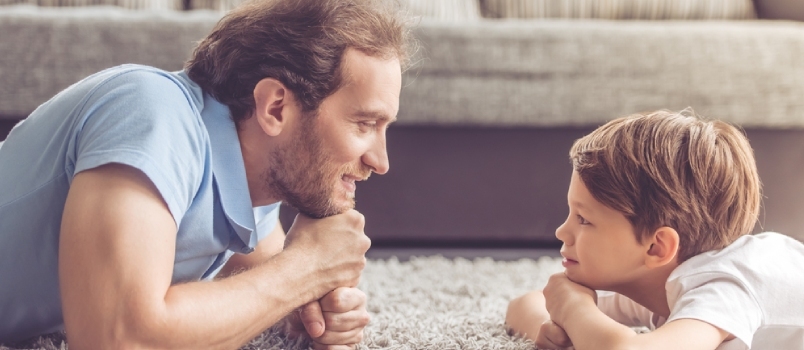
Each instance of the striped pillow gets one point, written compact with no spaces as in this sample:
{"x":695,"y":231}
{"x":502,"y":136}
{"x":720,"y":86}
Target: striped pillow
{"x":129,"y":4}
{"x":450,"y":10}
{"x":620,"y":9}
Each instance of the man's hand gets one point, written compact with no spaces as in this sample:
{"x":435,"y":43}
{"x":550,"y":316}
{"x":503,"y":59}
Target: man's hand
{"x":565,"y":298}
{"x":334,"y":322}
{"x":334,"y":246}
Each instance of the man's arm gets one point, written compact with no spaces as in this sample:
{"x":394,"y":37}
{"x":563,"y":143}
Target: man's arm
{"x":116,"y":256}
{"x":573,"y":307}
{"x":335,"y":321}
{"x":264,"y":251}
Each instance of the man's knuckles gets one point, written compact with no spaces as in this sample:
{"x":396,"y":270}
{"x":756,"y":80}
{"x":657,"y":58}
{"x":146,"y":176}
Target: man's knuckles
{"x":343,"y":299}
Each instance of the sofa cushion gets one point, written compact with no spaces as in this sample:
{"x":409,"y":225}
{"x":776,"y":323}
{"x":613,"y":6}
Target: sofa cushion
{"x":46,"y":49}
{"x":620,"y":9}
{"x":569,"y":72}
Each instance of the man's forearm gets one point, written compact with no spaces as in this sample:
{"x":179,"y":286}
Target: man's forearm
{"x":227,"y":313}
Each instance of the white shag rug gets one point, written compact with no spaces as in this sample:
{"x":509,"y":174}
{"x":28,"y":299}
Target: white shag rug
{"x":425,"y":303}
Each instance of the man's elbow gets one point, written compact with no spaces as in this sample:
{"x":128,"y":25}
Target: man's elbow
{"x":128,"y":330}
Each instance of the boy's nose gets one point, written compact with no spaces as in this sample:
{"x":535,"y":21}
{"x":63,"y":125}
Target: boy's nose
{"x":562,"y":234}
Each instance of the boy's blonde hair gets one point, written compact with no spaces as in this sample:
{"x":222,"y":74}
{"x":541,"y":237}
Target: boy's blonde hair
{"x":673,"y":169}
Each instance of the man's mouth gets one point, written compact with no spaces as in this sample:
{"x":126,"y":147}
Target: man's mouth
{"x":349,"y":181}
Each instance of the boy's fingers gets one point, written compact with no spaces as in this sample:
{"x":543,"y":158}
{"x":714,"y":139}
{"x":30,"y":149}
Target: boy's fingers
{"x":313,"y":319}
{"x":555,"y":334}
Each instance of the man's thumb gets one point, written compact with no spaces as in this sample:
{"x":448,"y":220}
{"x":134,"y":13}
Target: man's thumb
{"x":313,"y":319}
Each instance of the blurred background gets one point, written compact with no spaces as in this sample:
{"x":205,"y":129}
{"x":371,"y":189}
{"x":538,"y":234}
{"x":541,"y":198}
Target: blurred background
{"x":497,"y":93}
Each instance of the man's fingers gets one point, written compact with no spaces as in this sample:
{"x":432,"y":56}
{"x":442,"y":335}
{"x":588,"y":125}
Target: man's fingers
{"x":313,"y":319}
{"x":353,"y":336}
{"x":318,"y":346}
{"x":342,"y":322}
{"x":343,"y":300}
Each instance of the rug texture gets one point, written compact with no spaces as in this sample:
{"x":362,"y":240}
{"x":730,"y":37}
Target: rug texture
{"x":425,"y":303}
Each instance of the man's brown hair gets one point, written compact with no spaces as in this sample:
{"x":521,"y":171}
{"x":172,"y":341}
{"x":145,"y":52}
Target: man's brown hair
{"x":673,"y":169}
{"x":298,"y":42}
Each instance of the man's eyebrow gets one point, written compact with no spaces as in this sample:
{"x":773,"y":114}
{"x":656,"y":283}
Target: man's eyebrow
{"x":375,"y":115}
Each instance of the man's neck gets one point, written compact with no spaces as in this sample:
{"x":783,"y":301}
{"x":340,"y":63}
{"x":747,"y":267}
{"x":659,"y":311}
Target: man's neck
{"x":253,"y":146}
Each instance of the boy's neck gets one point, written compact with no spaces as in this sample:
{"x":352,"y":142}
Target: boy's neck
{"x":649,"y":289}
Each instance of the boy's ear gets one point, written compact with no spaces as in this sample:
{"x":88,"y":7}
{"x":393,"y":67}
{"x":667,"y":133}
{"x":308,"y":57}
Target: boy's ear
{"x":663,"y":247}
{"x":273,"y":102}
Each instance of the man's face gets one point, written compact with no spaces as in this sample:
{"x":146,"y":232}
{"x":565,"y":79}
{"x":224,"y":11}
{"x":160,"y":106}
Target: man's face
{"x":342,"y":142}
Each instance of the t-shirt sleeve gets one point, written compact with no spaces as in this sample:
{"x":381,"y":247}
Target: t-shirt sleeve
{"x":623,"y":310}
{"x":145,"y":120}
{"x":720,"y":300}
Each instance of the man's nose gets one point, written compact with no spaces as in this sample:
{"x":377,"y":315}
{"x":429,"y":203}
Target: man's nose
{"x":377,"y":157}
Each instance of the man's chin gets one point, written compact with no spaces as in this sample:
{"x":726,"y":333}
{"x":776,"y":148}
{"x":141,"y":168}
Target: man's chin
{"x":320,"y":213}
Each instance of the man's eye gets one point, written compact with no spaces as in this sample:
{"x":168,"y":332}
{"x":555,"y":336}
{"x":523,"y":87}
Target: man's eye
{"x":581,"y":220}
{"x":367,"y":126}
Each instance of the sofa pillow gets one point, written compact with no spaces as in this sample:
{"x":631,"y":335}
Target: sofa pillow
{"x":129,"y":4}
{"x":620,"y":9}
{"x":780,"y":9}
{"x":449,"y":10}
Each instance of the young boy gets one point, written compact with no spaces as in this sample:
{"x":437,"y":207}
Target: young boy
{"x":660,"y":211}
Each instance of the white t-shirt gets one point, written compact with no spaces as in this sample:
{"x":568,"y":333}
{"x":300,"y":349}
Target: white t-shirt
{"x":753,"y":289}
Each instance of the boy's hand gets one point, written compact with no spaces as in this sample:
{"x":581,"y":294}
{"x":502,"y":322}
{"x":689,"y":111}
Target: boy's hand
{"x":565,"y":298}
{"x":334,"y":322}
{"x":527,"y":317}
{"x":551,"y":336}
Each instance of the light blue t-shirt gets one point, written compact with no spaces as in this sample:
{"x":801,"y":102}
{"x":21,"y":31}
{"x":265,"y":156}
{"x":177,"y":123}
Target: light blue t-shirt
{"x":158,"y":122}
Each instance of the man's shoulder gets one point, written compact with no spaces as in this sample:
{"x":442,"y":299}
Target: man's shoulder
{"x":145,"y":82}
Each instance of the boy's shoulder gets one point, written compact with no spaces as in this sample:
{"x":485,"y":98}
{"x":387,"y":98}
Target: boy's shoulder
{"x":750,"y":254}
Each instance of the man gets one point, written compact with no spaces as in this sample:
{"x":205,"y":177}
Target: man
{"x":128,"y":201}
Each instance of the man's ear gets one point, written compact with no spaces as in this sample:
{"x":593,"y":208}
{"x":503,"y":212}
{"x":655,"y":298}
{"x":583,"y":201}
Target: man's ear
{"x":663,"y":247}
{"x":272,"y":101}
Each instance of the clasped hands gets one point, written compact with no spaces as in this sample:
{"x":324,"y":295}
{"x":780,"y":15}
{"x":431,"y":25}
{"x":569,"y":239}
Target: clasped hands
{"x":334,"y":322}
{"x":562,"y":299}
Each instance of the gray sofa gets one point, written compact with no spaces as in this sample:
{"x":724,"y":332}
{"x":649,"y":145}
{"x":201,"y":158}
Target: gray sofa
{"x":489,"y":111}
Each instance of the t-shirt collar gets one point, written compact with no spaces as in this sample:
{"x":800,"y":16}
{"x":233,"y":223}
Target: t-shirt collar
{"x":228,"y":170}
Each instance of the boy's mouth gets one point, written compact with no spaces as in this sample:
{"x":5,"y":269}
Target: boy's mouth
{"x":568,"y":261}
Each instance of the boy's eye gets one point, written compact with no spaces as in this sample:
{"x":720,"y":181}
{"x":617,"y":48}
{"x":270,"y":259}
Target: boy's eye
{"x":581,"y":220}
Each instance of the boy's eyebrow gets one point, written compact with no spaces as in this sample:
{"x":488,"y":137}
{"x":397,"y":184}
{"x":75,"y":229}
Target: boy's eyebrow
{"x":577,"y":204}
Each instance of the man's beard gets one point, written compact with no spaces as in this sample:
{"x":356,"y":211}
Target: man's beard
{"x":302,"y":174}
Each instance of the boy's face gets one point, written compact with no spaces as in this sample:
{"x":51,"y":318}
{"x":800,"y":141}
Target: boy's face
{"x":600,"y":249}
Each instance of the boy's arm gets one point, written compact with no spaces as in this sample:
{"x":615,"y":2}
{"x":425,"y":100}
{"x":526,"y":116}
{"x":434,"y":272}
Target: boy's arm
{"x":528,"y":317}
{"x":573,"y":307}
